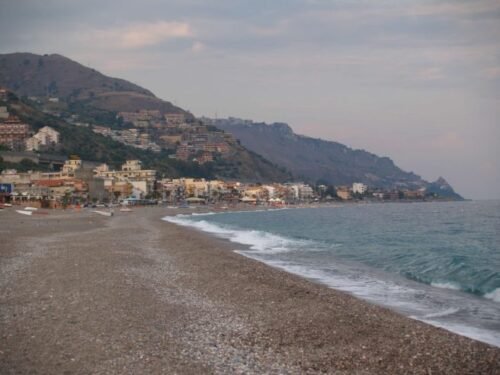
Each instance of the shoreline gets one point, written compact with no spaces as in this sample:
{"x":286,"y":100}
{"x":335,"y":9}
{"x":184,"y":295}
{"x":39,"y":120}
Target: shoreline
{"x":246,"y":249}
{"x":133,"y":293}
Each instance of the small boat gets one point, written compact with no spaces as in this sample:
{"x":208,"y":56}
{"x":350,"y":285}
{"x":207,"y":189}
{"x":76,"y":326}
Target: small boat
{"x":7,"y":205}
{"x":104,"y":213}
{"x":125,"y":209}
{"x":23,"y":212}
{"x":30,"y":208}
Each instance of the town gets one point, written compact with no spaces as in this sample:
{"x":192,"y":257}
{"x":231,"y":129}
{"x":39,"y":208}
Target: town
{"x":70,"y":181}
{"x":85,"y":183}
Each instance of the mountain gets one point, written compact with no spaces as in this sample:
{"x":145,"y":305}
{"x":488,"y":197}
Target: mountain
{"x":442,"y":188}
{"x":317,"y":160}
{"x":54,"y":75}
{"x":95,"y":99}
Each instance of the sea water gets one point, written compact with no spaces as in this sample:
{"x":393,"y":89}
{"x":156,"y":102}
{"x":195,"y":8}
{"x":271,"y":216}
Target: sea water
{"x":435,"y":262}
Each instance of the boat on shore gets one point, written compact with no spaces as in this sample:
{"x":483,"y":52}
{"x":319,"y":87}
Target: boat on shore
{"x":24,"y":212}
{"x":104,"y":213}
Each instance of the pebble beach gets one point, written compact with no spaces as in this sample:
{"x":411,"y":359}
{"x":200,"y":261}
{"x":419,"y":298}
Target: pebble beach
{"x":82,"y":293}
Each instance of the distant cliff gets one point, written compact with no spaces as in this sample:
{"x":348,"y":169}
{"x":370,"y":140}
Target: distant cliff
{"x":323,"y":161}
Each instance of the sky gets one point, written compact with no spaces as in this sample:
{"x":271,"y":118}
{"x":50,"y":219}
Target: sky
{"x":418,"y":81}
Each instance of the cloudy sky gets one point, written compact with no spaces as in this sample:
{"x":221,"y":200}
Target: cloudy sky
{"x":418,"y":81}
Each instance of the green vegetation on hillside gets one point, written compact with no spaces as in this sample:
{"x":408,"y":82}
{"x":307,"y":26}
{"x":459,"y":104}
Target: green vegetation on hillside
{"x":82,"y":141}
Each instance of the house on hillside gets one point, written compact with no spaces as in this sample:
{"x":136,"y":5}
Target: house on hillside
{"x":46,"y":136}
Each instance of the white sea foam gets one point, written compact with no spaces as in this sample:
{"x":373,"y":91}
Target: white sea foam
{"x":420,"y":302}
{"x":446,"y":285}
{"x":203,"y":213}
{"x":401,"y":297}
{"x":440,"y":314}
{"x":258,"y":241}
{"x":493,"y":295}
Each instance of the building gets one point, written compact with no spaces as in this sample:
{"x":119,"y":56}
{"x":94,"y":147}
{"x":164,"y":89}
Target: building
{"x":46,"y":136}
{"x":4,"y":113}
{"x":205,"y":157}
{"x":13,"y":133}
{"x":305,"y":192}
{"x":343,"y":192}
{"x":131,"y":172}
{"x":175,"y":118}
{"x":32,"y":144}
{"x":70,"y":166}
{"x":359,"y":188}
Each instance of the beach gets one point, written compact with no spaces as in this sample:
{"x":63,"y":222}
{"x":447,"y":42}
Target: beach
{"x":83,"y":293}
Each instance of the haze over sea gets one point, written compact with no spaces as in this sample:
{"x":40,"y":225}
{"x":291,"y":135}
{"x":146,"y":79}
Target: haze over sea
{"x":435,"y":262}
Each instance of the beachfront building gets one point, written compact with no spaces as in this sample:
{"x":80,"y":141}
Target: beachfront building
{"x":296,"y":192}
{"x":305,"y":192}
{"x":359,"y":188}
{"x":141,"y":179}
{"x":343,"y":192}
{"x":71,"y":166}
{"x":253,"y":192}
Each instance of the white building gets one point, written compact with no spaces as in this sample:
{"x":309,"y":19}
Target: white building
{"x":44,"y":137}
{"x":32,"y":144}
{"x":132,"y":172}
{"x":305,"y":192}
{"x":271,"y":191}
{"x":359,"y":188}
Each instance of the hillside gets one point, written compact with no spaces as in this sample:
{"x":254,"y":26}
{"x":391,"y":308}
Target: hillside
{"x":323,"y":161}
{"x":82,"y":141}
{"x":57,"y":76}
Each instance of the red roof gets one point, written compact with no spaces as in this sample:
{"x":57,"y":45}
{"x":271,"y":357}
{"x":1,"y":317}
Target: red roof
{"x":49,"y":183}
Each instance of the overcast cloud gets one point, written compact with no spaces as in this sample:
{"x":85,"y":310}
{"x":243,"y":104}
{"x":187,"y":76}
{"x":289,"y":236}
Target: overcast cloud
{"x":418,"y":81}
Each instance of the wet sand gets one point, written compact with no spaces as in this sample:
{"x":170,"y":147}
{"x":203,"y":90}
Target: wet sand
{"x":130,"y":294}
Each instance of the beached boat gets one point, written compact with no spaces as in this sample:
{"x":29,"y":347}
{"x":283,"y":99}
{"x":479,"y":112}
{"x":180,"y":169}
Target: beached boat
{"x":104,"y":213}
{"x":24,"y":212}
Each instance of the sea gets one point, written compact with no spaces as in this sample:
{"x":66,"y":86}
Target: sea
{"x":437,"y":262}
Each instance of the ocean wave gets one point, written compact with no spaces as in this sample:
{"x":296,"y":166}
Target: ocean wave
{"x":441,"y":314}
{"x":445,"y":285}
{"x":493,"y":295}
{"x":258,"y":241}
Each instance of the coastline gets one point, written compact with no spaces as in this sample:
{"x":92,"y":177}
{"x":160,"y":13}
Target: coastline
{"x":133,"y":293}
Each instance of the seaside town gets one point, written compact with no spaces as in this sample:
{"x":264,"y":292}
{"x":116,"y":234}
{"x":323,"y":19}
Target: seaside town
{"x":85,"y":183}
{"x":75,"y":182}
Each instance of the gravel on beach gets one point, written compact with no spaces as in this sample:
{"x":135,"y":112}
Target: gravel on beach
{"x":82,"y":293}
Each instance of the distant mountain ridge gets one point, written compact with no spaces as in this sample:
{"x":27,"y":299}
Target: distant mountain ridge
{"x":317,"y":160}
{"x":28,"y":74}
